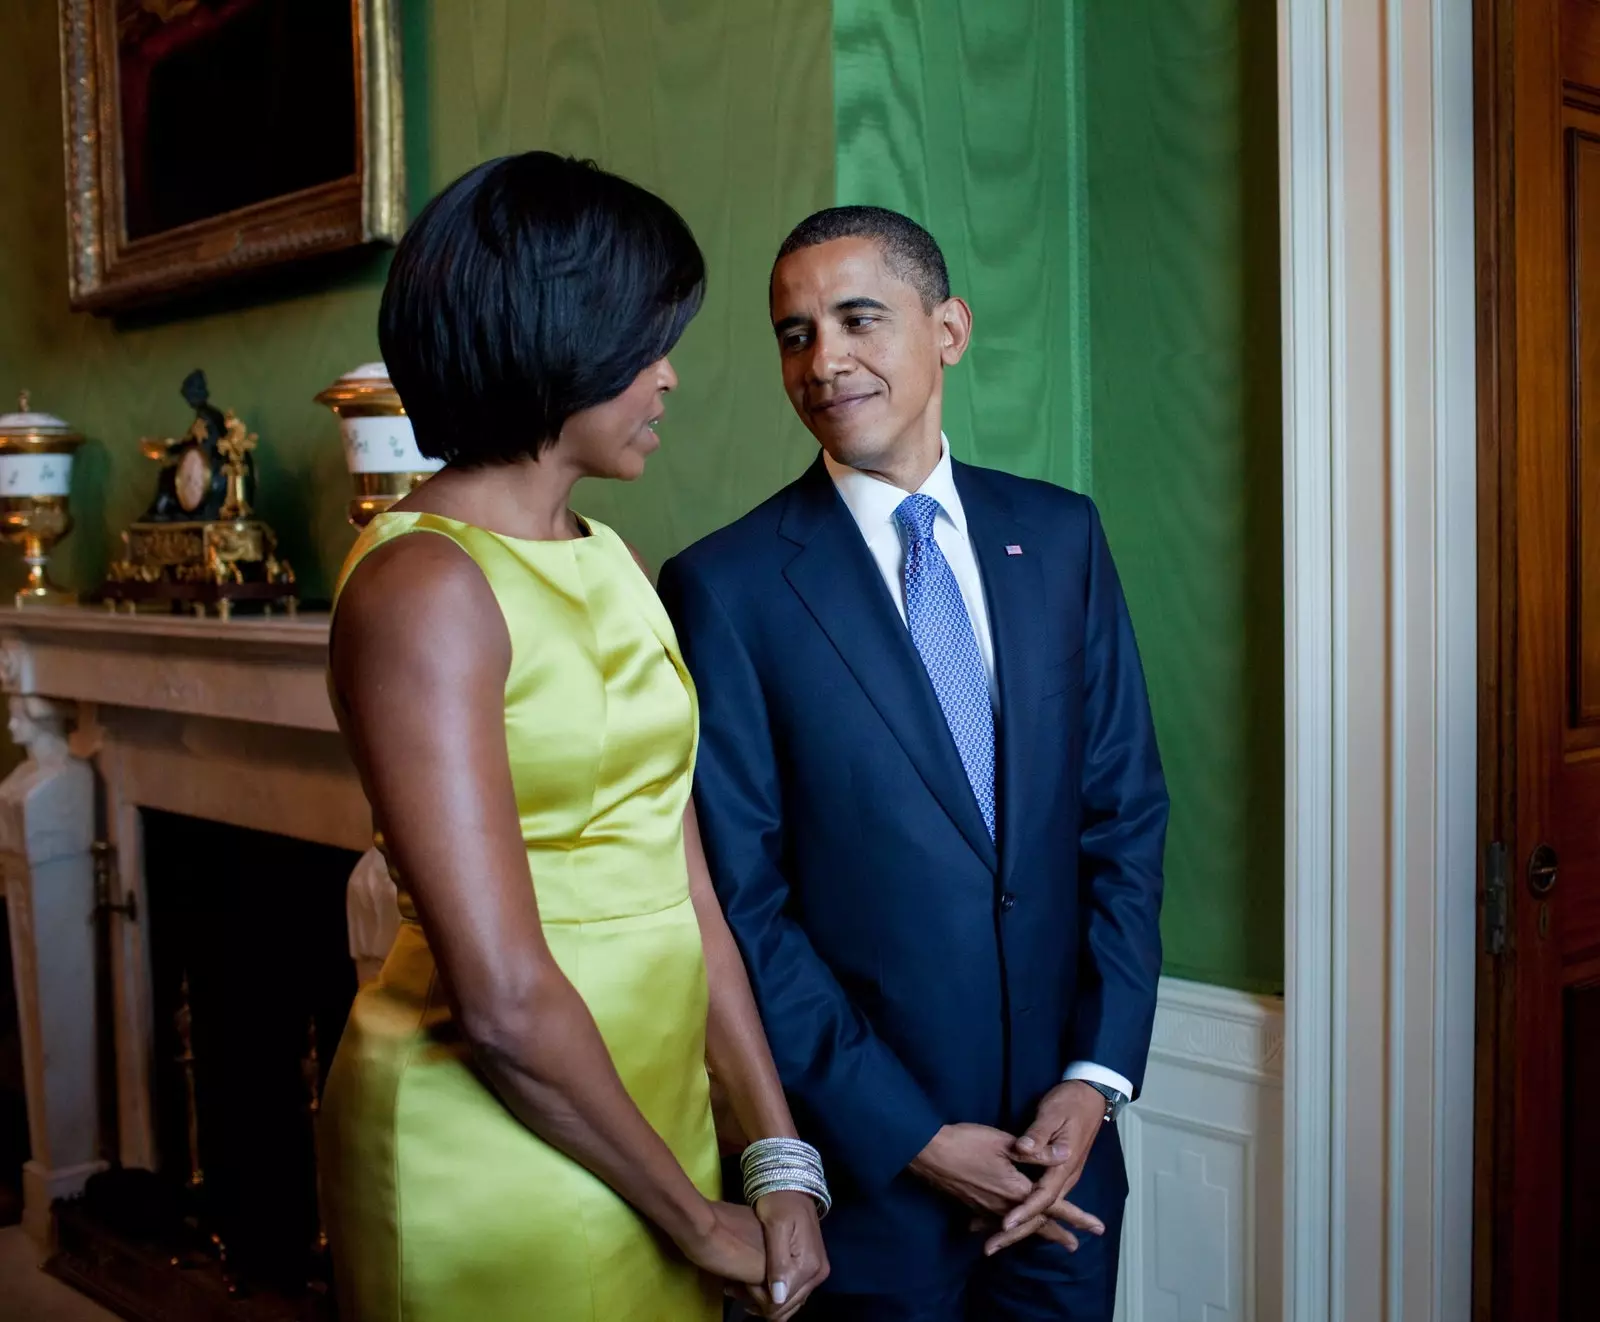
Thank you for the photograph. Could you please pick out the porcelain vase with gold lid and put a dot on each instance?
(380, 448)
(36, 452)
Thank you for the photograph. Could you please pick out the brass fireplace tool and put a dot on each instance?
(185, 1025)
(311, 1071)
(204, 1246)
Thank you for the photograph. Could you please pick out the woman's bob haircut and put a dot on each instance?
(532, 288)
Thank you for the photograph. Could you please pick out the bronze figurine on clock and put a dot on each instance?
(192, 485)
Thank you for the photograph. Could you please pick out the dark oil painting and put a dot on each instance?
(227, 103)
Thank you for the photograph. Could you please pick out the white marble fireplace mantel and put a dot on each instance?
(172, 663)
(226, 720)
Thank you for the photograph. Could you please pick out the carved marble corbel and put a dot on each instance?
(16, 666)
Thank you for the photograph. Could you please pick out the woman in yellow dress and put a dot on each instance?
(517, 1122)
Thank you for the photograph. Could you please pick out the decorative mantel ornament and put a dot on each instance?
(35, 477)
(380, 448)
(198, 544)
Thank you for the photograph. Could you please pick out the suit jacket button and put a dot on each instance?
(1008, 901)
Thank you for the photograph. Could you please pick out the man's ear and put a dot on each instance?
(955, 330)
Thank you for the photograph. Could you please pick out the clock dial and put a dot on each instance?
(193, 479)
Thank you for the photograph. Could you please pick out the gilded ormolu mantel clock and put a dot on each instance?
(199, 546)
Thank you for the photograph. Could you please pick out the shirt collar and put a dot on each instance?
(872, 501)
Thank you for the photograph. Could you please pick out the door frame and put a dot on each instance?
(1381, 688)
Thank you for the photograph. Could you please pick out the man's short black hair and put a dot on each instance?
(533, 287)
(909, 251)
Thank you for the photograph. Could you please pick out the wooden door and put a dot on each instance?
(1538, 1225)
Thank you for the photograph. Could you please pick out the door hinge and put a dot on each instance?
(1494, 899)
(105, 882)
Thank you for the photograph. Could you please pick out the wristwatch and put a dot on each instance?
(1115, 1099)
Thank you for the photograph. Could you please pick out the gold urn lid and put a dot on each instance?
(39, 433)
(364, 391)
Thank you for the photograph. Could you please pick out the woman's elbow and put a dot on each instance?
(510, 1027)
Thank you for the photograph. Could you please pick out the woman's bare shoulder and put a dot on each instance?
(418, 606)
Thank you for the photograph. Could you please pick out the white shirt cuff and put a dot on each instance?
(1089, 1072)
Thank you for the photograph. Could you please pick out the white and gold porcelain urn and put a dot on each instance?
(36, 452)
(379, 446)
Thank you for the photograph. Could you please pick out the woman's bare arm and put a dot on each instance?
(736, 1043)
(740, 1059)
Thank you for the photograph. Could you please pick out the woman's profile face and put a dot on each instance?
(615, 438)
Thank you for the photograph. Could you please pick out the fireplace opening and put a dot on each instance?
(251, 982)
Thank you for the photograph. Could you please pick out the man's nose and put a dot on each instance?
(829, 357)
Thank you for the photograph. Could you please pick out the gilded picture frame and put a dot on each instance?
(172, 248)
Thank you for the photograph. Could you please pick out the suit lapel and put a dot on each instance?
(835, 576)
(1014, 591)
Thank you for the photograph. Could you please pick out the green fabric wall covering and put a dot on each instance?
(957, 115)
(723, 106)
(1184, 318)
(1102, 178)
(1138, 360)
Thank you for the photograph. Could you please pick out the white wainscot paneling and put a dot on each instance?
(1204, 1148)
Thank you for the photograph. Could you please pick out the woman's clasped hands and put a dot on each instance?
(771, 1256)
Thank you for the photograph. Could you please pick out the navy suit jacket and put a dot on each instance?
(910, 971)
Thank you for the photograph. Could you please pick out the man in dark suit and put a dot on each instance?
(932, 804)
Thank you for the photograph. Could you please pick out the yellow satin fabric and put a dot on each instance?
(440, 1206)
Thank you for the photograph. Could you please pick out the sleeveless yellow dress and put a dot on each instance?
(440, 1206)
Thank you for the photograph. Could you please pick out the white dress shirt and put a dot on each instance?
(872, 503)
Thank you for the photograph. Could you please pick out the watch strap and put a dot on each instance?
(1115, 1099)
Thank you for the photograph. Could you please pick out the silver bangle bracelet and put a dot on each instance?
(773, 1165)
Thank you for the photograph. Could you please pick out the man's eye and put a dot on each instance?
(860, 322)
(789, 343)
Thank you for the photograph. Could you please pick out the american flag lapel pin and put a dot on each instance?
(1013, 549)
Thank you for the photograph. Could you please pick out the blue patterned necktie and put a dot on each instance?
(942, 631)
